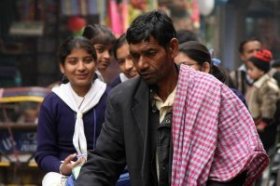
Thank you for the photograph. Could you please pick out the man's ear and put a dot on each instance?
(173, 47)
(205, 67)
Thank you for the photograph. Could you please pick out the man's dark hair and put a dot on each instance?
(156, 24)
(241, 45)
(117, 44)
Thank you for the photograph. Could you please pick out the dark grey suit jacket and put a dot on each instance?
(124, 139)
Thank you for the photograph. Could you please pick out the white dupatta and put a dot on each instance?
(65, 92)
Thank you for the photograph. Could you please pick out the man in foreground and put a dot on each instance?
(172, 126)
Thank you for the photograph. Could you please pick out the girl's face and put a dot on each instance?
(125, 61)
(79, 68)
(103, 56)
(182, 58)
(253, 72)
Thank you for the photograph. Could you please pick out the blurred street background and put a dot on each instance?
(32, 30)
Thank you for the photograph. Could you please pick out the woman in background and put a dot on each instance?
(198, 57)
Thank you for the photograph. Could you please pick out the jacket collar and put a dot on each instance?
(261, 81)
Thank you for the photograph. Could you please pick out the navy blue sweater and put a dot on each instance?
(56, 128)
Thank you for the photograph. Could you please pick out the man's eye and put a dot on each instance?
(150, 53)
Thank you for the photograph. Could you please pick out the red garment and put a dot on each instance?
(213, 134)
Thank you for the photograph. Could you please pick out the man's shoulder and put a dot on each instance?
(238, 69)
(238, 74)
(126, 88)
(196, 76)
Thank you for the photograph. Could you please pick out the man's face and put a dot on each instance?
(152, 61)
(125, 61)
(249, 50)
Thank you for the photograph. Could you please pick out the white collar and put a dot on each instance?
(123, 77)
(261, 80)
(99, 75)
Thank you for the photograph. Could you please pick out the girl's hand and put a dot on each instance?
(68, 164)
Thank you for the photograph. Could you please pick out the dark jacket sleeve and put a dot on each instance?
(106, 162)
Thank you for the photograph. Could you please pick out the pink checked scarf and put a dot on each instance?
(213, 134)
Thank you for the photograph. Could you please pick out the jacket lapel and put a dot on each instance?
(140, 108)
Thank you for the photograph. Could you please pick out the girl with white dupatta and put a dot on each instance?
(71, 115)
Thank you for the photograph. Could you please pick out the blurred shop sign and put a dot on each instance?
(23, 140)
(27, 28)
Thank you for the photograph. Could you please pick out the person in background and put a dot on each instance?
(184, 35)
(71, 115)
(198, 57)
(102, 39)
(121, 54)
(275, 71)
(172, 126)
(239, 77)
(29, 113)
(262, 96)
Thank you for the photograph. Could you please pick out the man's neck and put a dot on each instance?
(167, 85)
